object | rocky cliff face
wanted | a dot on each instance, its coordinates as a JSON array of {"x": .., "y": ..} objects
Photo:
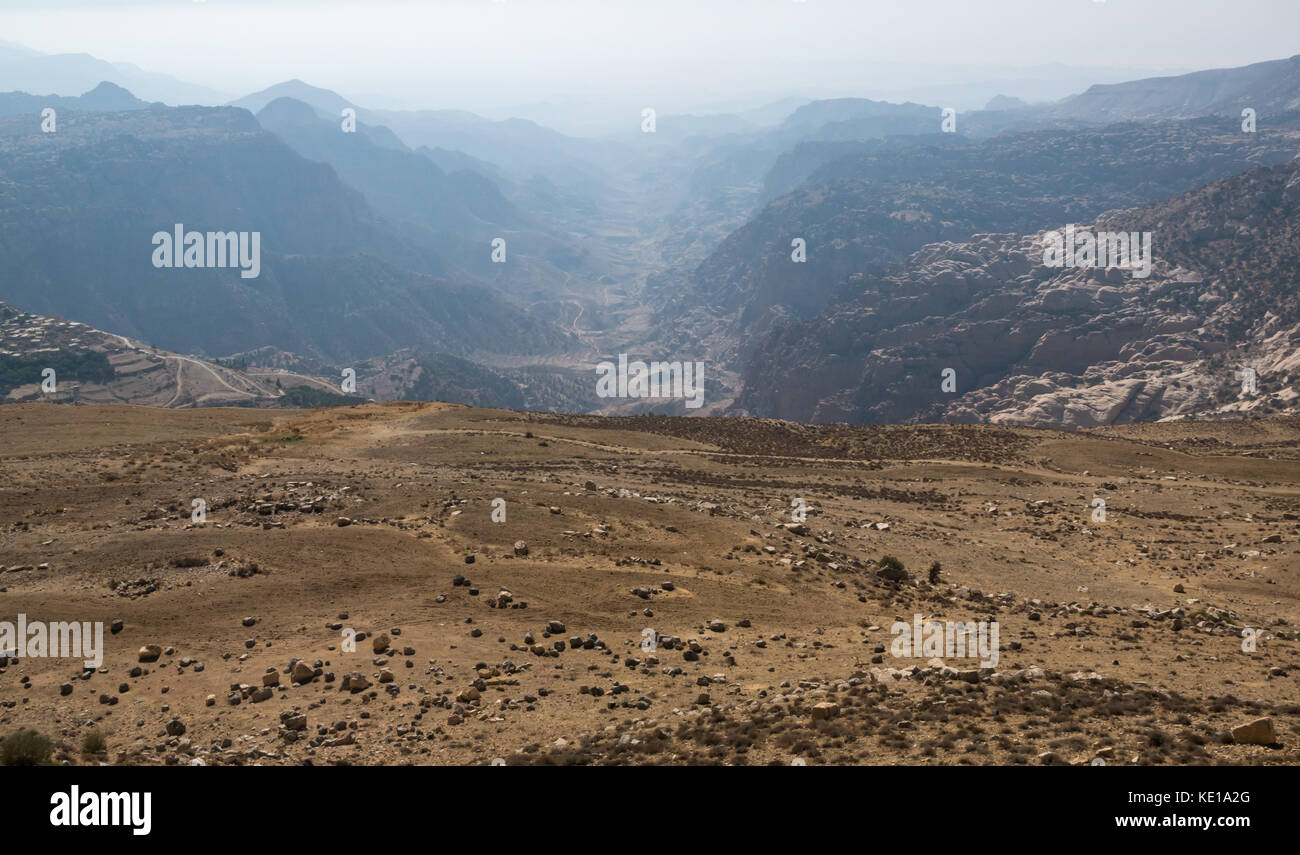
[
  {"x": 868, "y": 211},
  {"x": 1057, "y": 346}
]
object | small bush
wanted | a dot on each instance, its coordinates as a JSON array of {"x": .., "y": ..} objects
[
  {"x": 889, "y": 562},
  {"x": 25, "y": 748},
  {"x": 93, "y": 742},
  {"x": 935, "y": 570}
]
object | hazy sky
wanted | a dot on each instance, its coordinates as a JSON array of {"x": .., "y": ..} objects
[{"x": 503, "y": 52}]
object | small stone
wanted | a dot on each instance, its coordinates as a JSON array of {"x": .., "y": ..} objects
[{"x": 355, "y": 682}]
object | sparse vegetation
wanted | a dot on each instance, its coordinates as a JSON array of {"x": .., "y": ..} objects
[
  {"x": 89, "y": 366},
  {"x": 310, "y": 396},
  {"x": 737, "y": 589},
  {"x": 25, "y": 748},
  {"x": 889, "y": 562},
  {"x": 94, "y": 742}
]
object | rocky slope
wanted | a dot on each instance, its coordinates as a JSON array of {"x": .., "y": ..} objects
[
  {"x": 94, "y": 367},
  {"x": 78, "y": 209},
  {"x": 873, "y": 208},
  {"x": 1065, "y": 347},
  {"x": 456, "y": 212}
]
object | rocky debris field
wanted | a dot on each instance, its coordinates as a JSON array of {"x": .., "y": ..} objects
[{"x": 434, "y": 584}]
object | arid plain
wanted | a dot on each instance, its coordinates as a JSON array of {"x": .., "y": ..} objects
[{"x": 650, "y": 597}]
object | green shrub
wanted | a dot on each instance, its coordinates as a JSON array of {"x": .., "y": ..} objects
[
  {"x": 25, "y": 748},
  {"x": 89, "y": 367}
]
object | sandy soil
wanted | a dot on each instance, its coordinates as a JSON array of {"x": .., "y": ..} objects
[{"x": 1120, "y": 639}]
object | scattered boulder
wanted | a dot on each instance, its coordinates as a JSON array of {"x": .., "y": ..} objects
[
  {"x": 355, "y": 682},
  {"x": 302, "y": 672},
  {"x": 1258, "y": 732}
]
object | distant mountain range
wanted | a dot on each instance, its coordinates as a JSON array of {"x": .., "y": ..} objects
[
  {"x": 78, "y": 210},
  {"x": 520, "y": 147},
  {"x": 39, "y": 73},
  {"x": 439, "y": 253},
  {"x": 1269, "y": 88},
  {"x": 456, "y": 211}
]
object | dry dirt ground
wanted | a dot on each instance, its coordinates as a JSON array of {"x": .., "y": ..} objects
[{"x": 1120, "y": 639}]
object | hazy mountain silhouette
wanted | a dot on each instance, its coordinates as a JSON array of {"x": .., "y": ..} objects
[
  {"x": 338, "y": 281},
  {"x": 69, "y": 73},
  {"x": 104, "y": 98},
  {"x": 1268, "y": 87}
]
